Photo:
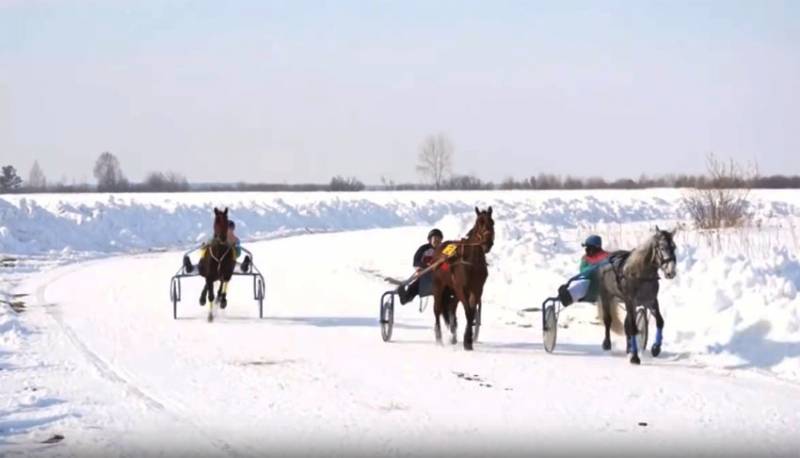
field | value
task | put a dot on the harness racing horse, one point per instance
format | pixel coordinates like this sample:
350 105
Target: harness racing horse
632 278
462 276
217 263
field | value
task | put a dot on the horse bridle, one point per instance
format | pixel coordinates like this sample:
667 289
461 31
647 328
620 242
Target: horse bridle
483 238
663 261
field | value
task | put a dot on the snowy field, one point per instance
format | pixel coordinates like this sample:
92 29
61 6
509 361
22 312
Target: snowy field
91 358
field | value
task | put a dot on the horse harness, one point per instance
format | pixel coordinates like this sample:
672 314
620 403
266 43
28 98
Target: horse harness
224 255
617 261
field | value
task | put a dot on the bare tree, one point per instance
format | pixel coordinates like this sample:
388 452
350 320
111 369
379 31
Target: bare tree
109 174
36 178
339 183
435 159
165 182
721 200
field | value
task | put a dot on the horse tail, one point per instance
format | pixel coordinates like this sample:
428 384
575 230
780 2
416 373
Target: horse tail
617 327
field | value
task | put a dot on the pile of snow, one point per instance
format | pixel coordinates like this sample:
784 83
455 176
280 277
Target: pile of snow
118 223
735 299
734 303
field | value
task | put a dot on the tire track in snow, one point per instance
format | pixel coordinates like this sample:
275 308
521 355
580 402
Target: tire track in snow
107 371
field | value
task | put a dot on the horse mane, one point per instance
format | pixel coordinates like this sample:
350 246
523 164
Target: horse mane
641 258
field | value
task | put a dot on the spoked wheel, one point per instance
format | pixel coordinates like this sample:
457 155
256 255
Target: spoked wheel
550 330
476 324
259 293
642 325
387 317
174 296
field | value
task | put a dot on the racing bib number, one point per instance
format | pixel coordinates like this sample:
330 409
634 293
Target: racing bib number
450 250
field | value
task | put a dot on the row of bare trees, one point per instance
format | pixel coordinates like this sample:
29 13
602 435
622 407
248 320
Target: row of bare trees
108 173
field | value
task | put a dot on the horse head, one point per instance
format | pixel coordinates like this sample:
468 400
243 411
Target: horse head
483 230
664 252
221 224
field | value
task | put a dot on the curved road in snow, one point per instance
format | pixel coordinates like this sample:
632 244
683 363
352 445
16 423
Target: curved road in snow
314 375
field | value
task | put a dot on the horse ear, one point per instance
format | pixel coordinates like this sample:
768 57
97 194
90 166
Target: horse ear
216 211
490 210
657 229
225 212
477 212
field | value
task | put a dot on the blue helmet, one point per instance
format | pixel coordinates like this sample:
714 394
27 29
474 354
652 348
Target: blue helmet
594 240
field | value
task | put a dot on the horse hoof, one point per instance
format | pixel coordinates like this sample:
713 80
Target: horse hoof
202 301
210 318
635 360
656 350
606 345
467 346
223 303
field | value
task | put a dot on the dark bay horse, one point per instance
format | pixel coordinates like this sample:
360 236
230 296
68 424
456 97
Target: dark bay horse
462 276
217 263
632 279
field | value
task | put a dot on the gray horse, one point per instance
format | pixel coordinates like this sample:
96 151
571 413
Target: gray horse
632 279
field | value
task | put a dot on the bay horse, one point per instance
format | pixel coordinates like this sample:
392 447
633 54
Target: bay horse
632 278
462 276
217 263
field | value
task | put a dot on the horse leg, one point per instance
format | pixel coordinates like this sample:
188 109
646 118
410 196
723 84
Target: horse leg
210 288
469 310
452 308
605 305
631 331
656 348
223 293
437 312
203 295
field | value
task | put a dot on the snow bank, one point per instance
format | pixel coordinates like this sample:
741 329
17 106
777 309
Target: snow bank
107 223
735 301
116 223
734 304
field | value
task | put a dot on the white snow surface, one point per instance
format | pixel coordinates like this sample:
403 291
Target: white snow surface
96 357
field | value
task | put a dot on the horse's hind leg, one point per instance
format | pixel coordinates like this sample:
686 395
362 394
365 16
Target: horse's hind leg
605 305
451 309
438 305
655 350
469 310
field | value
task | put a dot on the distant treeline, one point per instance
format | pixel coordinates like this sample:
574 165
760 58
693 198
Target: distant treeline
174 183
110 178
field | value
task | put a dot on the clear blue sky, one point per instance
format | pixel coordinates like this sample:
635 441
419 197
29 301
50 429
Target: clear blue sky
299 91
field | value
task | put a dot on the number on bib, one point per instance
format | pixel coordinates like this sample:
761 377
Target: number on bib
450 250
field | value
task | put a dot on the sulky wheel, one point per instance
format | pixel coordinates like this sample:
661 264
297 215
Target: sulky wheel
260 296
550 328
387 317
642 325
173 295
